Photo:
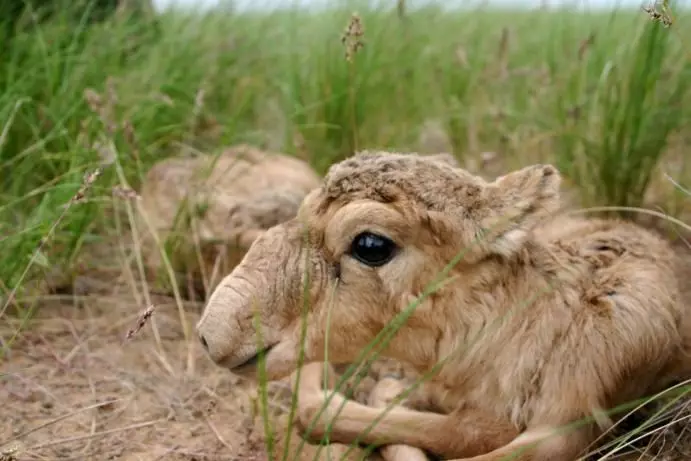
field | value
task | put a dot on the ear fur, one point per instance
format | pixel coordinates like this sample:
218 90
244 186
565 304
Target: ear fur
516 203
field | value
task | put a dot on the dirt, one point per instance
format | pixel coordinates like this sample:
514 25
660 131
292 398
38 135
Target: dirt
77 390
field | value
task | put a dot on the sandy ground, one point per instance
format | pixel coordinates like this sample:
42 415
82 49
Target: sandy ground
78 390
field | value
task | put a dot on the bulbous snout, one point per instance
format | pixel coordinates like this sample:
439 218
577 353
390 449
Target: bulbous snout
250 317
215 352
225 328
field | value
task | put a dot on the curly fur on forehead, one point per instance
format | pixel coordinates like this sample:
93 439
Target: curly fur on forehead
393 177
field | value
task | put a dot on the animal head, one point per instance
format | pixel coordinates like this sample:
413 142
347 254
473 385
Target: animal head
363 246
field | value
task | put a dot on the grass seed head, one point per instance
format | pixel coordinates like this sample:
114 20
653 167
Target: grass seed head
353 37
141 321
659 11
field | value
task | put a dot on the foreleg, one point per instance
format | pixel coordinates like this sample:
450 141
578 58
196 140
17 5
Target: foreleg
467 433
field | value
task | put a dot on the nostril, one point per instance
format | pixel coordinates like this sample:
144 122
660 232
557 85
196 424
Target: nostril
204 343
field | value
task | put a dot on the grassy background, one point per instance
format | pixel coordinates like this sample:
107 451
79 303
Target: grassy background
602 94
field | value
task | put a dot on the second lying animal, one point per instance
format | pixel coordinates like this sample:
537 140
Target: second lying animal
226 202
543 323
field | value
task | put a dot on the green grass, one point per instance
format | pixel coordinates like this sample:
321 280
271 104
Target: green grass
527 85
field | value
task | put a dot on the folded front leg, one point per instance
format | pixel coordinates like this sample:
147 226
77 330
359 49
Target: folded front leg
466 433
381 396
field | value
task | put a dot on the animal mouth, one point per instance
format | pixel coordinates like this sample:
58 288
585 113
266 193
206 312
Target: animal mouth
250 363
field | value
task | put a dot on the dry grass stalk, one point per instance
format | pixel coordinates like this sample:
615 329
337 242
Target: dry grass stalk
125 193
142 274
353 40
585 45
662 15
105 109
353 36
141 321
198 103
130 138
462 56
503 53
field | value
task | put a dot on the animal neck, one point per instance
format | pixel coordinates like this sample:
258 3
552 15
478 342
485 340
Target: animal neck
477 309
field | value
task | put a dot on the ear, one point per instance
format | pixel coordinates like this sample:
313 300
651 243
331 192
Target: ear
516 203
445 158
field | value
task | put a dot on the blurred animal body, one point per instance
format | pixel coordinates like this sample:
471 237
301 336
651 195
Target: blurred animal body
211 209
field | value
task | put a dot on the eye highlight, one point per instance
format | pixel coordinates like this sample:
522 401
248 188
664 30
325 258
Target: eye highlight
372 250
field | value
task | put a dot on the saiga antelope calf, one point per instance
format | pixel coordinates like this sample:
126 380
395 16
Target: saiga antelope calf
554 320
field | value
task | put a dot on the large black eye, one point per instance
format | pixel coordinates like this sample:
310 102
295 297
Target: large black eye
373 250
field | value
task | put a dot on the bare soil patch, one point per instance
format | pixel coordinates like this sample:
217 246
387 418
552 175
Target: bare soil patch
97 396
